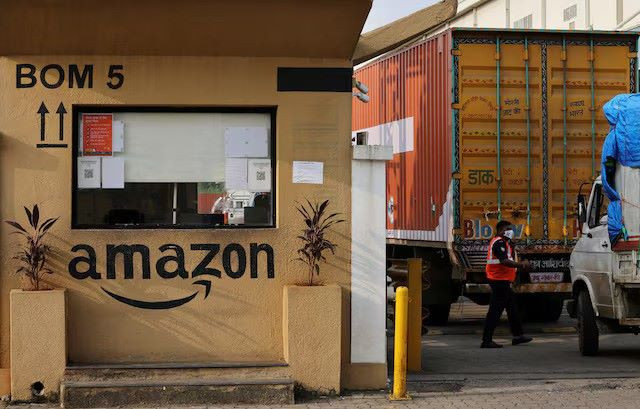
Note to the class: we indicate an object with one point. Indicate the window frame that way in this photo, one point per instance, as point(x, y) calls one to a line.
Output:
point(595, 206)
point(79, 109)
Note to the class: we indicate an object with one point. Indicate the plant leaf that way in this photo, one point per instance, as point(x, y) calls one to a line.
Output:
point(36, 216)
point(323, 206)
point(16, 225)
point(47, 225)
point(29, 215)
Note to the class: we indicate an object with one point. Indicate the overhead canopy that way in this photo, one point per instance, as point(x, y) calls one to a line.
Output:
point(392, 35)
point(261, 28)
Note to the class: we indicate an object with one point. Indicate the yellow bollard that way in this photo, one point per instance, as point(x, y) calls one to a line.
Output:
point(400, 346)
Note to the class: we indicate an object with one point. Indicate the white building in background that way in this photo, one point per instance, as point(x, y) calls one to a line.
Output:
point(607, 15)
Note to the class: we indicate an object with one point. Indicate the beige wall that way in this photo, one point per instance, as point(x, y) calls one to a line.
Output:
point(242, 318)
point(520, 9)
point(602, 14)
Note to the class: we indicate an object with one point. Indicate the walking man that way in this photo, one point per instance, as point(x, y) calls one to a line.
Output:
point(501, 272)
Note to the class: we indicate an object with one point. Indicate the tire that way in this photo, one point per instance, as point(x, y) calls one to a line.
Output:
point(480, 299)
point(587, 326)
point(542, 308)
point(438, 314)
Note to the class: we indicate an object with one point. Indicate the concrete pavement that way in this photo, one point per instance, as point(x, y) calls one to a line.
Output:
point(596, 394)
point(549, 355)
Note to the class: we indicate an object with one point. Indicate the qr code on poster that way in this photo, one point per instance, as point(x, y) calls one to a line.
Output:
point(88, 173)
point(261, 175)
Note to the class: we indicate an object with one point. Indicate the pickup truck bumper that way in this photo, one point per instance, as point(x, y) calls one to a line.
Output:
point(471, 288)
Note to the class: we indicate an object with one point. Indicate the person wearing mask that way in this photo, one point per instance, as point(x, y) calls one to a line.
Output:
point(501, 272)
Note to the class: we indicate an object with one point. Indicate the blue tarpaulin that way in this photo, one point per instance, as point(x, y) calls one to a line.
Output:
point(622, 146)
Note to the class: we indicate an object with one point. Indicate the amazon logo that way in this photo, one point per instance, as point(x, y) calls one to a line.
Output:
point(171, 265)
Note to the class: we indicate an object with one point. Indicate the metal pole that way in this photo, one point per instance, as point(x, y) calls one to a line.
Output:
point(593, 113)
point(528, 113)
point(565, 231)
point(400, 346)
point(414, 325)
point(498, 143)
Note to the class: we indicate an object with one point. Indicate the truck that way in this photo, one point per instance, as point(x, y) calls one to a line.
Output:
point(491, 125)
point(605, 262)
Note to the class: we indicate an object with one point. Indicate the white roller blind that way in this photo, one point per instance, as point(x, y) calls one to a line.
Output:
point(179, 147)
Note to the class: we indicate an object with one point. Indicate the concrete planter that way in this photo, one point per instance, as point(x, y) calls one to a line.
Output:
point(38, 343)
point(313, 335)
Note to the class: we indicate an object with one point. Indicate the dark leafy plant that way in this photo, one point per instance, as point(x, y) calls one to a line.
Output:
point(314, 243)
point(32, 253)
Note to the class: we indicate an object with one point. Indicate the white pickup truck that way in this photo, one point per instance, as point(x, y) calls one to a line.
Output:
point(606, 278)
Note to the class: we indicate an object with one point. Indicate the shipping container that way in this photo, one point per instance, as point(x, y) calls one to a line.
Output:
point(488, 125)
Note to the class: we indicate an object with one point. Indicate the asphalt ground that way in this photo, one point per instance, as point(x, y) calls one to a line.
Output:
point(452, 357)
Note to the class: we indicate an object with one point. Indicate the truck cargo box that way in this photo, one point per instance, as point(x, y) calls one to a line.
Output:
point(492, 124)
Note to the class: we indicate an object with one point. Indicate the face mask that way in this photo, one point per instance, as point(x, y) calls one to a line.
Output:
point(508, 234)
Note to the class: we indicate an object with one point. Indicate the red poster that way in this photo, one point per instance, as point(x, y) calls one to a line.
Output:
point(97, 134)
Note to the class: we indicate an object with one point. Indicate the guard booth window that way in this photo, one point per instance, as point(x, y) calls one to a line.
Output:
point(172, 168)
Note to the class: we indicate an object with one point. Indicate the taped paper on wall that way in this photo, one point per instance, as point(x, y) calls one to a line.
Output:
point(112, 173)
point(308, 172)
point(246, 142)
point(260, 175)
point(89, 173)
point(97, 134)
point(235, 172)
point(118, 136)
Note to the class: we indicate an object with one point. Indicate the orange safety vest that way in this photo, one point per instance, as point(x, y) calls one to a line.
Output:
point(495, 270)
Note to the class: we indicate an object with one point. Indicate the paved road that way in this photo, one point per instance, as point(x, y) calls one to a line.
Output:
point(453, 353)
point(459, 357)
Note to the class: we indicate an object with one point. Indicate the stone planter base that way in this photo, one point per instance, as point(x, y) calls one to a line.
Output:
point(38, 344)
point(312, 326)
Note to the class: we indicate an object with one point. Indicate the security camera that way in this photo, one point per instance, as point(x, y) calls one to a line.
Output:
point(362, 97)
point(361, 87)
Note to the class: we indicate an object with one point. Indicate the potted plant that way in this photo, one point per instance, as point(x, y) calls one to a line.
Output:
point(314, 243)
point(313, 313)
point(33, 252)
point(37, 316)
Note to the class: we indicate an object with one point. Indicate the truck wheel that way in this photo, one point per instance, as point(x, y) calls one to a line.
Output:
point(553, 310)
point(542, 308)
point(438, 314)
point(587, 326)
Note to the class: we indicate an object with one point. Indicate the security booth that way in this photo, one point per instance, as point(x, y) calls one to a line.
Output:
point(173, 142)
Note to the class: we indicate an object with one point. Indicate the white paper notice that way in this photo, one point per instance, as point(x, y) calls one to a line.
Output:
point(112, 173)
point(235, 172)
point(246, 142)
point(260, 175)
point(117, 138)
point(89, 172)
point(308, 172)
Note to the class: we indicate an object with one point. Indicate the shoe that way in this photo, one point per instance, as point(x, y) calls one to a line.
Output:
point(491, 345)
point(521, 340)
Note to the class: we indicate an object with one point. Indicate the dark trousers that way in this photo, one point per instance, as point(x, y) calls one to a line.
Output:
point(502, 296)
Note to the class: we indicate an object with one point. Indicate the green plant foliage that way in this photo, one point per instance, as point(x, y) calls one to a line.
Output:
point(32, 253)
point(314, 243)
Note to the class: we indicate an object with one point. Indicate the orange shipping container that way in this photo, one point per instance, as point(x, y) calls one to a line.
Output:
point(489, 124)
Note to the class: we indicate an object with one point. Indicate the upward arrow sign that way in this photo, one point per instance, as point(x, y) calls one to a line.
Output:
point(42, 111)
point(61, 111)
